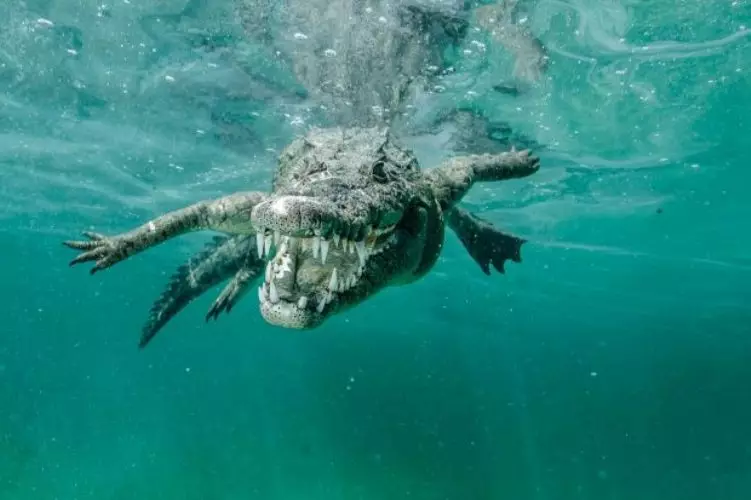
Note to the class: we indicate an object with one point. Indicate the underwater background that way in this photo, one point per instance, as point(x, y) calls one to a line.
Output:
point(613, 363)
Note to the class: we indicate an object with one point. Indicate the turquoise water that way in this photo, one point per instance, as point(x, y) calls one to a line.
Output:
point(613, 363)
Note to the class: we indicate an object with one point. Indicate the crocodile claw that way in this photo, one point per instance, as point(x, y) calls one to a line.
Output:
point(231, 294)
point(102, 250)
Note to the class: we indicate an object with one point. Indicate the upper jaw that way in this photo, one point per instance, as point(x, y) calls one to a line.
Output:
point(361, 239)
point(308, 216)
point(319, 245)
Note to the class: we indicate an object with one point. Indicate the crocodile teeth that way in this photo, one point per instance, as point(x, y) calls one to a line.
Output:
point(261, 297)
point(268, 240)
point(260, 243)
point(336, 239)
point(316, 246)
point(302, 302)
point(360, 246)
point(268, 272)
point(321, 305)
point(334, 282)
point(282, 249)
point(324, 250)
point(273, 294)
point(351, 281)
point(277, 237)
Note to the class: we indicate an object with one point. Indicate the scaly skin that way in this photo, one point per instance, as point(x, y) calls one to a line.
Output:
point(350, 213)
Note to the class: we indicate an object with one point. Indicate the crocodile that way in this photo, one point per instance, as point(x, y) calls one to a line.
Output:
point(350, 213)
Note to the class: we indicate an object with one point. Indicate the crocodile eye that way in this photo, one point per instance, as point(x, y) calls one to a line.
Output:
point(379, 172)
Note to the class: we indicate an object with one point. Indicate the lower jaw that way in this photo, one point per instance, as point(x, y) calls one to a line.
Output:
point(288, 315)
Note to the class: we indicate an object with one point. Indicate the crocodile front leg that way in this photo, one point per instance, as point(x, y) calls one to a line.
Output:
point(453, 178)
point(228, 214)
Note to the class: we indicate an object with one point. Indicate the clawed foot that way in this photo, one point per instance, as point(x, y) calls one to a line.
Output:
point(228, 298)
point(513, 164)
point(105, 251)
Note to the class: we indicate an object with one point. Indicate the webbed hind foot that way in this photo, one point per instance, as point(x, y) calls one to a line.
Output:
point(486, 244)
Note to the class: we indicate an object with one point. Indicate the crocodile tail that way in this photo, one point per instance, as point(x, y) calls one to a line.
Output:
point(217, 261)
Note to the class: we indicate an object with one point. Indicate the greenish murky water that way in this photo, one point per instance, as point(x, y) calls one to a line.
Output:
point(613, 363)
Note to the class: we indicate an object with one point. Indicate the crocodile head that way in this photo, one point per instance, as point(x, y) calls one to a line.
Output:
point(348, 216)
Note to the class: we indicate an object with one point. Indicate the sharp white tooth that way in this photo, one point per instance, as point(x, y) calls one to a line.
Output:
point(261, 298)
point(267, 244)
point(277, 237)
point(324, 249)
point(336, 239)
point(273, 294)
point(343, 285)
point(334, 281)
point(259, 243)
point(302, 302)
point(320, 306)
point(269, 271)
point(265, 290)
point(316, 246)
point(304, 244)
point(351, 281)
point(282, 249)
point(360, 246)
